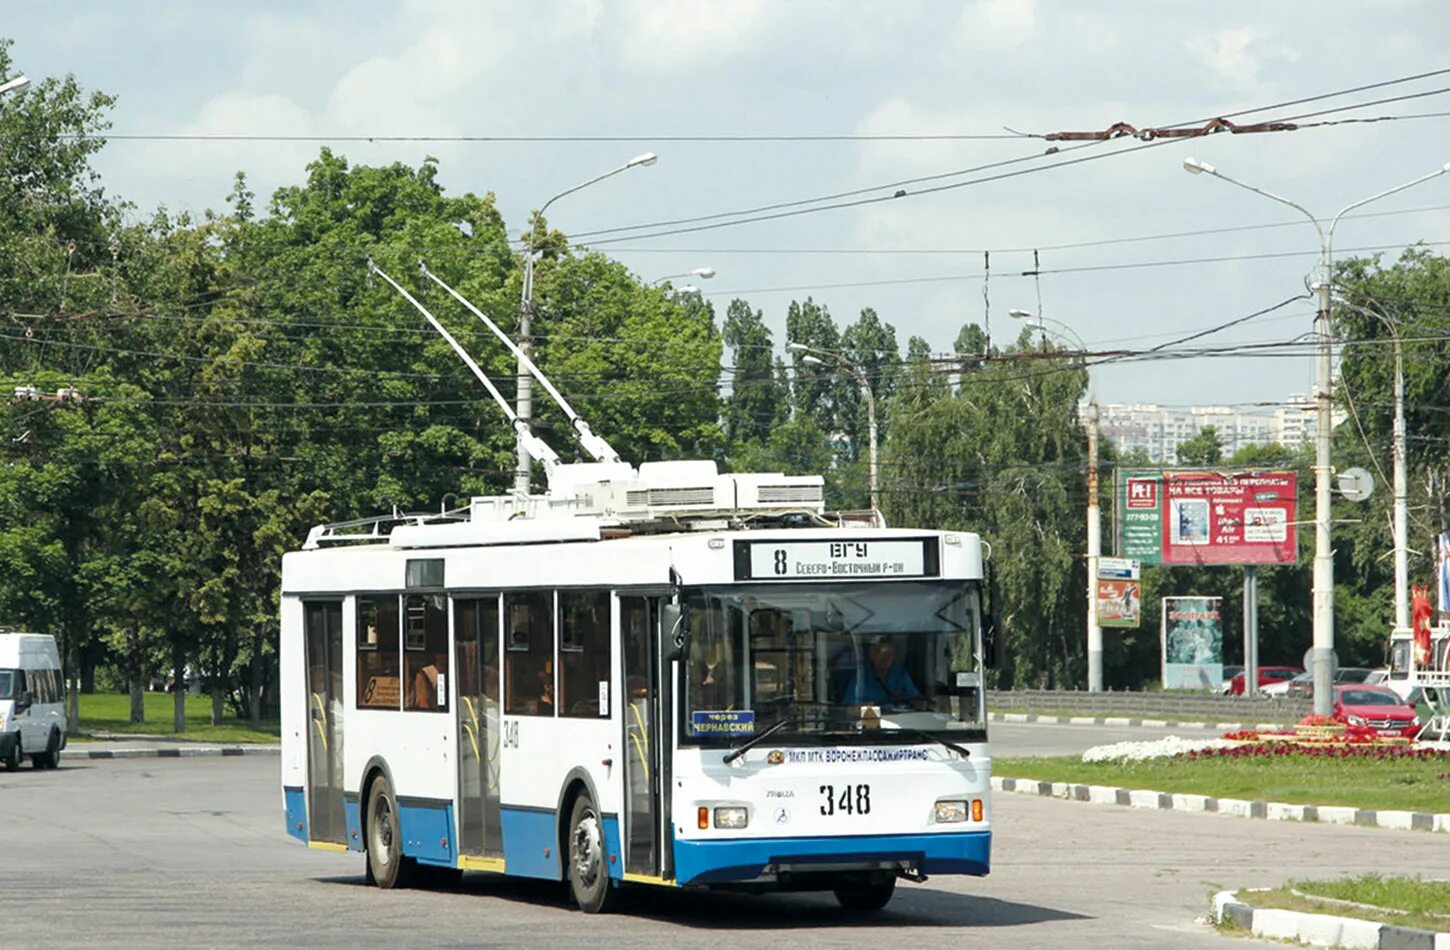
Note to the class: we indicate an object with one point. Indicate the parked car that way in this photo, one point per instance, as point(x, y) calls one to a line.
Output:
point(1377, 677)
point(1229, 672)
point(1375, 707)
point(1352, 674)
point(1301, 685)
point(1267, 675)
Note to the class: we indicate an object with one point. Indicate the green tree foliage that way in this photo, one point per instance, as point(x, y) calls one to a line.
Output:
point(1205, 448)
point(1004, 455)
point(758, 401)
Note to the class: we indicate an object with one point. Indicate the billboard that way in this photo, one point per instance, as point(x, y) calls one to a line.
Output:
point(1196, 517)
point(1192, 632)
point(1119, 600)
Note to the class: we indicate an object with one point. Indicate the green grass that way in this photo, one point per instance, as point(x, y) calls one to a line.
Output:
point(1360, 783)
point(111, 712)
point(1423, 904)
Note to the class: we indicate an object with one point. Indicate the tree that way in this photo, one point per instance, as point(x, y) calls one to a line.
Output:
point(757, 402)
point(1205, 448)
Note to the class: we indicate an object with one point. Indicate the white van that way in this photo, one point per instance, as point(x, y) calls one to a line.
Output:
point(32, 700)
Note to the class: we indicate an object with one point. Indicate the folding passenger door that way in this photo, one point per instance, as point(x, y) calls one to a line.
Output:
point(322, 633)
point(475, 647)
point(646, 750)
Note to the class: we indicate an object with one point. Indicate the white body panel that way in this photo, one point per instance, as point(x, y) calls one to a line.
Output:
point(538, 754)
point(37, 655)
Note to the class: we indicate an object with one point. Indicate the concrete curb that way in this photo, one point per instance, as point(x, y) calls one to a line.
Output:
point(1323, 930)
point(170, 753)
point(1147, 723)
point(1237, 807)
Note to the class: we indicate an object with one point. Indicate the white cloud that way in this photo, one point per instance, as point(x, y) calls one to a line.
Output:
point(1237, 55)
point(988, 24)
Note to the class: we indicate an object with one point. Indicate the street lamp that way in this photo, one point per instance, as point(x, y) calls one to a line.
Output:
point(13, 85)
point(1323, 649)
point(1401, 489)
point(812, 356)
point(1094, 512)
point(704, 273)
point(525, 400)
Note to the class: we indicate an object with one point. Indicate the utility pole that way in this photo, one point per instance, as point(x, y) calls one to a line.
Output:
point(1322, 652)
point(1094, 551)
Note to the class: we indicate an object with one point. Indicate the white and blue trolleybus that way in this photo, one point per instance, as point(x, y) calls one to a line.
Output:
point(659, 676)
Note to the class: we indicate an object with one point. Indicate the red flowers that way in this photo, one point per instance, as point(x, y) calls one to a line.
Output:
point(1355, 748)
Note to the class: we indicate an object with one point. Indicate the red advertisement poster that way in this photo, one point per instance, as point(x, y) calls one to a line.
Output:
point(1229, 518)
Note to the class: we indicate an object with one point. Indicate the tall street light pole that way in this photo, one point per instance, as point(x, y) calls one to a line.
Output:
point(1322, 653)
point(873, 464)
point(1401, 480)
point(525, 400)
point(704, 273)
point(1094, 511)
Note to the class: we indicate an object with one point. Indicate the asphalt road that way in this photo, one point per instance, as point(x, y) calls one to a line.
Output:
point(191, 852)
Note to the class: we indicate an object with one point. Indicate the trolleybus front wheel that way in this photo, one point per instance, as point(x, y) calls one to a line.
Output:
point(386, 864)
point(872, 896)
point(588, 871)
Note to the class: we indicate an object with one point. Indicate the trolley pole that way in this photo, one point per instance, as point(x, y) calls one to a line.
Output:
point(1094, 551)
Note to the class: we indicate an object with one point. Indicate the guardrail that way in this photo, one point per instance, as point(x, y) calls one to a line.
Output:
point(1153, 705)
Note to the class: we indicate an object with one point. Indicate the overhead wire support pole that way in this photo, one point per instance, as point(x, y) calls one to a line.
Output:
point(538, 447)
point(1322, 652)
point(596, 446)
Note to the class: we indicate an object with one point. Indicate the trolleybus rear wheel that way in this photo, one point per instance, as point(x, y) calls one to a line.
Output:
point(872, 896)
point(386, 863)
point(588, 868)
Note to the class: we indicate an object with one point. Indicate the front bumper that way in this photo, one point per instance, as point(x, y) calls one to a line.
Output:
point(747, 859)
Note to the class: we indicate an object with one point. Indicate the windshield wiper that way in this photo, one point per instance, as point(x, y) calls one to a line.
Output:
point(753, 741)
point(959, 750)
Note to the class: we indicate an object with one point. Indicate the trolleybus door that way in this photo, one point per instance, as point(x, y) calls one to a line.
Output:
point(475, 646)
point(639, 621)
point(322, 625)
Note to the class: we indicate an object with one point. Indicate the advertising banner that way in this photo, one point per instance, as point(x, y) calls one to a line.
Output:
point(1179, 517)
point(1119, 603)
point(1192, 643)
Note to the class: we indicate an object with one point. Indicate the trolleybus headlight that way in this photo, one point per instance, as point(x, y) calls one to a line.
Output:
point(951, 811)
point(731, 816)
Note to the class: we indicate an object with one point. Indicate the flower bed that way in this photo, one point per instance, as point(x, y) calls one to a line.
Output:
point(1349, 749)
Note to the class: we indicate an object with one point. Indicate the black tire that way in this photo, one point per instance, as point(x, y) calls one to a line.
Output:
point(12, 761)
point(387, 866)
point(866, 897)
point(586, 859)
point(51, 758)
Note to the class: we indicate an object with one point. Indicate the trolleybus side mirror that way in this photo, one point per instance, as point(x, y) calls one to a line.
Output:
point(676, 630)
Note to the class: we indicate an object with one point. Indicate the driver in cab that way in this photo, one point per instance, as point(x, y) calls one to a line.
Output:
point(884, 683)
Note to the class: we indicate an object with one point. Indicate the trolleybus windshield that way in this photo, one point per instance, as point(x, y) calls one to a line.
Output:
point(855, 662)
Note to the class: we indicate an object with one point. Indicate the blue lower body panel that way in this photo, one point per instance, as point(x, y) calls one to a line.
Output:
point(427, 828)
point(531, 842)
point(743, 859)
point(614, 857)
point(352, 814)
point(294, 806)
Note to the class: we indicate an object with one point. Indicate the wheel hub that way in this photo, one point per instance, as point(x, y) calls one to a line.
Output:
point(586, 850)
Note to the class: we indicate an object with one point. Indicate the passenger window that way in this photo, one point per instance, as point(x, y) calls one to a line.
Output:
point(529, 665)
point(378, 631)
point(584, 620)
point(425, 653)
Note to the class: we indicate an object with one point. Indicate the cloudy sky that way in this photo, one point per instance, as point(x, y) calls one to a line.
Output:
point(649, 72)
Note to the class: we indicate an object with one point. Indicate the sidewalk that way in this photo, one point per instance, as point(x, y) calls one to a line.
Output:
point(102, 745)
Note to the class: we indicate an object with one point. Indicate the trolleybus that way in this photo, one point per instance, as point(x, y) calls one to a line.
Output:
point(666, 676)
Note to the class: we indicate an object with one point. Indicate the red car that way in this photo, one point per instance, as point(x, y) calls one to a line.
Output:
point(1375, 707)
point(1267, 675)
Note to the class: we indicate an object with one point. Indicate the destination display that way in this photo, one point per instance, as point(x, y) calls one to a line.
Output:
point(836, 560)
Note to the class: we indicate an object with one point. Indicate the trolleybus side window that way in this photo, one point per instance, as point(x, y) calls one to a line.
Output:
point(584, 656)
point(425, 653)
point(529, 663)
point(378, 633)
